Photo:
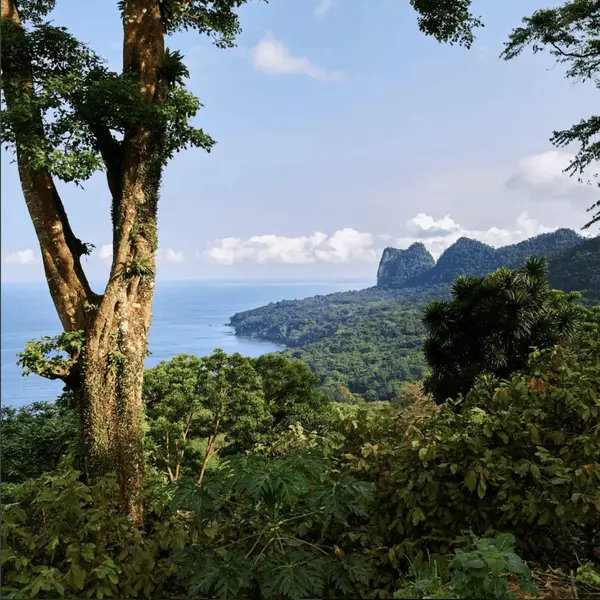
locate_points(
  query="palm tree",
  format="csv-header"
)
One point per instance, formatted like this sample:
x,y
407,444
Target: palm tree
x,y
491,325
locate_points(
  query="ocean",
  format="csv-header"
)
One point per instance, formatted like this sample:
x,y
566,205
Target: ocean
x,y
189,317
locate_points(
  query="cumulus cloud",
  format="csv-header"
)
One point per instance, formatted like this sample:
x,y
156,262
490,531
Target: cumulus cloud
x,y
323,7
170,255
342,246
105,252
437,235
542,176
427,227
22,257
349,245
272,56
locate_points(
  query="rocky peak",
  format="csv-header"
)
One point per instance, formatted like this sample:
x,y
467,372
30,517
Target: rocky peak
x,y
396,267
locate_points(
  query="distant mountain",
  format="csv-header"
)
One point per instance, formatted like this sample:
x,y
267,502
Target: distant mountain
x,y
578,269
396,267
472,257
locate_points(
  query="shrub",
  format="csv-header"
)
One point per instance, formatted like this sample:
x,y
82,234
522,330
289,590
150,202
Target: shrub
x,y
481,570
61,537
275,527
35,439
519,456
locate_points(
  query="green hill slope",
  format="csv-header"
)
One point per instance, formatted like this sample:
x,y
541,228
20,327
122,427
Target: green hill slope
x,y
369,341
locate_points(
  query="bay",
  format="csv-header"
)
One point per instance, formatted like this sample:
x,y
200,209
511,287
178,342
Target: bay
x,y
189,317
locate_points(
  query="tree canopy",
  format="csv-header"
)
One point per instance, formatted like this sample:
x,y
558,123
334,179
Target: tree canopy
x,y
491,326
571,34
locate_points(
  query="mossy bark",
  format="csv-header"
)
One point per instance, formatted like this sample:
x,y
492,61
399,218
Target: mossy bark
x,y
108,377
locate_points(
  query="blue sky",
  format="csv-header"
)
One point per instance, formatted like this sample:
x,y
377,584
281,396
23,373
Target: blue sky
x,y
340,129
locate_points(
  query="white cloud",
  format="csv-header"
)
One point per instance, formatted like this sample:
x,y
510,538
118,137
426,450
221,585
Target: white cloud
x,y
542,176
349,245
323,7
439,235
426,226
105,253
22,257
271,56
343,246
170,255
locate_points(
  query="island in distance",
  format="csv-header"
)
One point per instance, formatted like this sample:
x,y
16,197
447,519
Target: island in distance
x,y
367,343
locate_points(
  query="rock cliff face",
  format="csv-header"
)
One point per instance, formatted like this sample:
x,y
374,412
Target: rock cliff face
x,y
397,267
415,267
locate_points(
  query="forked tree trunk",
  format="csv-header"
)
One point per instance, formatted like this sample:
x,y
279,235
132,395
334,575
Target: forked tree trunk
x,y
108,377
113,412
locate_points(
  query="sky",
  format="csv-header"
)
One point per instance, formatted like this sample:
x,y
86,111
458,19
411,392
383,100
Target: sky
x,y
340,129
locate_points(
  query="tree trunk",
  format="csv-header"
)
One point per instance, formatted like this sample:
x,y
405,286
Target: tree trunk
x,y
112,388
108,377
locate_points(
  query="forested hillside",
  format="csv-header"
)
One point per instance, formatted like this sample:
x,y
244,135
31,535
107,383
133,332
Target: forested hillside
x,y
369,342
472,257
578,269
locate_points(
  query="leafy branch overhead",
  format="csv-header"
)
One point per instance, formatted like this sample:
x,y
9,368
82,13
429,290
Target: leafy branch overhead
x,y
87,109
571,34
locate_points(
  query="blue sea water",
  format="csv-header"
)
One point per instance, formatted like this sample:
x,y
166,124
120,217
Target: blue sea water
x,y
189,317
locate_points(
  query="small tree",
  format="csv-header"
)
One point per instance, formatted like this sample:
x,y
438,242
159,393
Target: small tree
x,y
291,391
570,33
191,399
491,325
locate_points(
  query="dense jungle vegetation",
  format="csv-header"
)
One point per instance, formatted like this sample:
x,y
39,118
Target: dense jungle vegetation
x,y
228,477
258,485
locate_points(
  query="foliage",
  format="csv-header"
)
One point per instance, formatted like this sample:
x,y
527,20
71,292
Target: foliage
x,y
571,34
491,324
291,393
589,575
447,20
35,439
479,571
578,269
61,537
518,456
50,357
341,510
191,398
423,582
370,354
267,529
224,404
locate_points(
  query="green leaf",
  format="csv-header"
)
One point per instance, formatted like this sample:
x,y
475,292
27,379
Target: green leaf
x,y
527,586
471,481
481,488
505,541
418,515
78,576
516,564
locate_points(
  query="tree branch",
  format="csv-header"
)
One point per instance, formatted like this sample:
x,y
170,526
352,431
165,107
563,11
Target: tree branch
x,y
572,54
61,250
111,151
